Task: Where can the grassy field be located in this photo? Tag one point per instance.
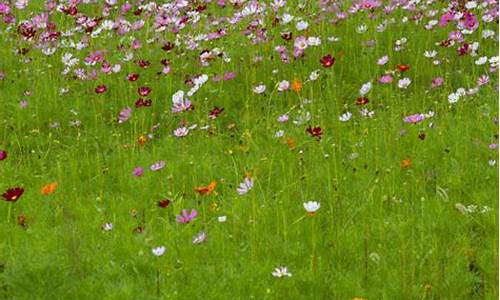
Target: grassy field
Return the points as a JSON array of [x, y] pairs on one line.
[[175, 150]]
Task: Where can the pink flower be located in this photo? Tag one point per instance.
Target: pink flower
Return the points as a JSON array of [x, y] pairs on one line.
[[138, 171], [245, 186], [157, 165], [436, 82], [184, 217], [124, 115], [383, 60], [384, 79], [3, 154], [200, 238], [283, 118], [181, 132]]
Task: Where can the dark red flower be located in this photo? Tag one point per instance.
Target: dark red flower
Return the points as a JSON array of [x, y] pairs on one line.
[[21, 220], [163, 203], [168, 46], [215, 112], [327, 61], [12, 194], [141, 102], [287, 35], [403, 68], [362, 101], [101, 89], [315, 131], [3, 155], [144, 91], [143, 63], [132, 77]]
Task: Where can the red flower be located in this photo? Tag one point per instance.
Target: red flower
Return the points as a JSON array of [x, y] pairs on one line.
[[315, 131], [144, 91], [403, 68], [168, 46], [215, 112], [101, 89], [362, 101], [11, 195], [327, 61], [3, 155], [163, 203], [143, 63], [141, 102], [132, 76]]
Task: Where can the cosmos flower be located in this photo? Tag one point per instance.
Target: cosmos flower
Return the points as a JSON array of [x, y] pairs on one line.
[[215, 112], [181, 131], [13, 194], [179, 103], [158, 251], [414, 119], [245, 186], [385, 79], [138, 171], [184, 217], [283, 85], [311, 207], [315, 132], [49, 188], [164, 203], [259, 89], [437, 82], [107, 226], [281, 272], [283, 118], [206, 190], [222, 219], [327, 61], [345, 117], [383, 60], [200, 238], [3, 154], [101, 89], [124, 115], [157, 165], [404, 83]]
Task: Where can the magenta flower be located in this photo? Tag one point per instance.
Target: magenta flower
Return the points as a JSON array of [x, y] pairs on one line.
[[138, 171], [157, 165], [436, 82], [384, 79], [3, 154], [124, 115], [414, 119], [184, 217], [245, 186]]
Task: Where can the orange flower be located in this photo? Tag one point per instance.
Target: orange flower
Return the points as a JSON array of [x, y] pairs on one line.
[[405, 163], [291, 144], [141, 140], [296, 85], [206, 190], [49, 188]]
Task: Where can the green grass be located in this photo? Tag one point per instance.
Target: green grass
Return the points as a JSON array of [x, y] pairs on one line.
[[382, 232]]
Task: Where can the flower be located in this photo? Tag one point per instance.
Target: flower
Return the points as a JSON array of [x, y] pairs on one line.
[[283, 85], [259, 89], [215, 112], [281, 272], [296, 86], [405, 164], [157, 165], [414, 119], [315, 131], [179, 103], [124, 115], [13, 194], [365, 88], [327, 61], [436, 82], [206, 190], [245, 186], [101, 89], [107, 226], [283, 118], [49, 188], [384, 79], [222, 219], [311, 207], [200, 238], [3, 154], [383, 60], [159, 251], [181, 132], [184, 217], [163, 203], [404, 83], [138, 171], [345, 117]]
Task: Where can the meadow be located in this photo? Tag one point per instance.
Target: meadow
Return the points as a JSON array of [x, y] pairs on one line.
[[234, 149]]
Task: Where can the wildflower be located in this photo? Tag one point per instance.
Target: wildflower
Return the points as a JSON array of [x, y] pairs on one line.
[[283, 118], [13, 194], [157, 165], [181, 132], [404, 83], [200, 238], [311, 207], [414, 119], [383, 60], [164, 203], [259, 89], [144, 91], [101, 89], [315, 131], [159, 251], [365, 88], [3, 154], [362, 101], [281, 272], [179, 103], [245, 186], [184, 217], [23, 104], [107, 226], [138, 171], [49, 188], [124, 115], [327, 61], [403, 68], [141, 140], [283, 85], [206, 190], [301, 25], [405, 164], [222, 219], [384, 79], [345, 117], [296, 86], [436, 82]]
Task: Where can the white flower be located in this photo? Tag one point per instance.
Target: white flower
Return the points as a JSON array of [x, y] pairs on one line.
[[453, 98], [200, 238], [279, 133], [259, 89], [281, 272], [460, 92], [69, 60], [486, 34], [492, 162], [345, 117], [361, 28], [283, 85], [481, 61], [314, 41], [404, 83], [430, 54], [493, 61], [159, 251], [287, 18], [222, 219], [471, 4], [107, 226], [314, 75], [365, 88], [311, 207], [301, 25]]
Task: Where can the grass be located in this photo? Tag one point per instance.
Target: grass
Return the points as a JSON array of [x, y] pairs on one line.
[[383, 231]]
